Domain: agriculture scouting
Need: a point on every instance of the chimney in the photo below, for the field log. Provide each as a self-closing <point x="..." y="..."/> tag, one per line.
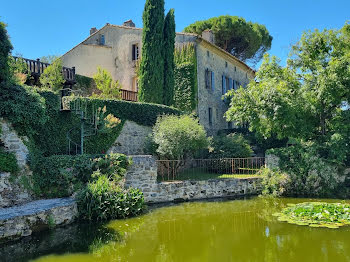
<point x="209" y="36"/>
<point x="129" y="23"/>
<point x="93" y="30"/>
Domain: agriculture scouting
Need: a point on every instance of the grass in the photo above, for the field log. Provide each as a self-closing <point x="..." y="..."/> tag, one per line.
<point x="200" y="174"/>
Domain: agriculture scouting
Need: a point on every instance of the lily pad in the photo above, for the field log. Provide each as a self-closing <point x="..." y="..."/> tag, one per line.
<point x="316" y="214"/>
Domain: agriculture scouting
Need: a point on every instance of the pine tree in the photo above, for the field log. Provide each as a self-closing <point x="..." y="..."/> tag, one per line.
<point x="169" y="65"/>
<point x="151" y="73"/>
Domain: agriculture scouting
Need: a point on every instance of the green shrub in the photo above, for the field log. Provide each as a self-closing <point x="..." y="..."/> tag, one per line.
<point x="52" y="77"/>
<point x="177" y="137"/>
<point x="229" y="146"/>
<point x="103" y="199"/>
<point x="105" y="83"/>
<point x="60" y="176"/>
<point x="310" y="174"/>
<point x="8" y="162"/>
<point x="274" y="182"/>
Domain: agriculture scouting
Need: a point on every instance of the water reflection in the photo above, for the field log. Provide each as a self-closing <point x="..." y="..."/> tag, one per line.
<point x="240" y="230"/>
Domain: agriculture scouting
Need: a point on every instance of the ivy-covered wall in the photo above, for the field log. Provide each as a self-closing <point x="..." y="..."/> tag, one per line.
<point x="185" y="93"/>
<point x="36" y="114"/>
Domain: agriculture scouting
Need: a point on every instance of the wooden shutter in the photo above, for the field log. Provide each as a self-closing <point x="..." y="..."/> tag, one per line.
<point x="212" y="81"/>
<point x="223" y="85"/>
<point x="230" y="84"/>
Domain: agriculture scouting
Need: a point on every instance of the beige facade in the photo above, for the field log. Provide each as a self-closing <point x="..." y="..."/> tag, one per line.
<point x="112" y="48"/>
<point x="116" y="48"/>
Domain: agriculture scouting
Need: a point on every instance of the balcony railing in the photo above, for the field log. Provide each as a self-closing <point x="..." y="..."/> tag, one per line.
<point x="36" y="68"/>
<point x="128" y="95"/>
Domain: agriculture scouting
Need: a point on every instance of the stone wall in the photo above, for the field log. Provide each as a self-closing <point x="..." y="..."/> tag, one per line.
<point x="222" y="64"/>
<point x="21" y="221"/>
<point x="13" y="143"/>
<point x="143" y="175"/>
<point x="131" y="140"/>
<point x="11" y="192"/>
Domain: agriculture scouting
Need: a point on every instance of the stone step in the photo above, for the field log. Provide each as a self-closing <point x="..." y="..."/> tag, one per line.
<point x="20" y="221"/>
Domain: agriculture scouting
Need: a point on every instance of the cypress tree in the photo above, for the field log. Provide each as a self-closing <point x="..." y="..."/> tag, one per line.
<point x="5" y="49"/>
<point x="151" y="73"/>
<point x="169" y="65"/>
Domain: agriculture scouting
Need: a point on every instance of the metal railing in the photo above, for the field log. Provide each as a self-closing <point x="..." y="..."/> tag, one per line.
<point x="200" y="169"/>
<point x="36" y="67"/>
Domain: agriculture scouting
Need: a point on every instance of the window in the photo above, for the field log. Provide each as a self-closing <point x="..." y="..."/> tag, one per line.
<point x="210" y="111"/>
<point x="226" y="84"/>
<point x="235" y="69"/>
<point x="223" y="91"/>
<point x="135" y="52"/>
<point x="209" y="80"/>
<point x="135" y="84"/>
<point x="208" y="54"/>
<point x="226" y="64"/>
<point x="102" y="39"/>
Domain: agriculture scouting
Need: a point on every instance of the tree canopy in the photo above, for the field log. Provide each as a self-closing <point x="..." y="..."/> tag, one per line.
<point x="308" y="98"/>
<point x="247" y="41"/>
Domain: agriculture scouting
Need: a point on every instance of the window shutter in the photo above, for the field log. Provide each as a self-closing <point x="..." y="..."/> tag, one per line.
<point x="223" y="85"/>
<point x="230" y="84"/>
<point x="212" y="81"/>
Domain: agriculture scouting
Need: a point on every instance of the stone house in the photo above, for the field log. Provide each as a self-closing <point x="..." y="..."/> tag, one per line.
<point x="117" y="49"/>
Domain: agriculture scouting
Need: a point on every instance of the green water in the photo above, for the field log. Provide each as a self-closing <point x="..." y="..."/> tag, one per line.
<point x="238" y="230"/>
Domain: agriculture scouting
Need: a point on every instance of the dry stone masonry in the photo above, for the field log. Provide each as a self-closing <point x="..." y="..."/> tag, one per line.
<point x="20" y="221"/>
<point x="11" y="193"/>
<point x="143" y="175"/>
<point x="131" y="140"/>
<point x="13" y="143"/>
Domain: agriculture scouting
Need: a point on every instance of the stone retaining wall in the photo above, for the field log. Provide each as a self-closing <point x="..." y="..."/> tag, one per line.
<point x="143" y="175"/>
<point x="11" y="193"/>
<point x="131" y="140"/>
<point x="21" y="221"/>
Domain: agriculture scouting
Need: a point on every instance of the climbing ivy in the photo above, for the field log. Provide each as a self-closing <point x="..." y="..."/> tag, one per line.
<point x="185" y="93"/>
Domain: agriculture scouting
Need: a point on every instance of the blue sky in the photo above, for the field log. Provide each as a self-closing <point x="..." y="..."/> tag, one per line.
<point x="39" y="27"/>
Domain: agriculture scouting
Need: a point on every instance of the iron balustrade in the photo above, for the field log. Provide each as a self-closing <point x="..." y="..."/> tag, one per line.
<point x="36" y="67"/>
<point x="208" y="168"/>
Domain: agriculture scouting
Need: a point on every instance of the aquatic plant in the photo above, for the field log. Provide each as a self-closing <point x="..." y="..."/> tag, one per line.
<point x="316" y="214"/>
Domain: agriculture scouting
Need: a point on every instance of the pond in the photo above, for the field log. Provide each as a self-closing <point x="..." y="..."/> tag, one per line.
<point x="235" y="230"/>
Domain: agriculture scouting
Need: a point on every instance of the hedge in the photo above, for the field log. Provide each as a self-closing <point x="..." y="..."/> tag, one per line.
<point x="142" y="113"/>
<point x="36" y="114"/>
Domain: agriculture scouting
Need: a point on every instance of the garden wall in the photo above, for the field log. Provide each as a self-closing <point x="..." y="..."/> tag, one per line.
<point x="143" y="175"/>
<point x="11" y="192"/>
<point x="13" y="143"/>
<point x="131" y="140"/>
